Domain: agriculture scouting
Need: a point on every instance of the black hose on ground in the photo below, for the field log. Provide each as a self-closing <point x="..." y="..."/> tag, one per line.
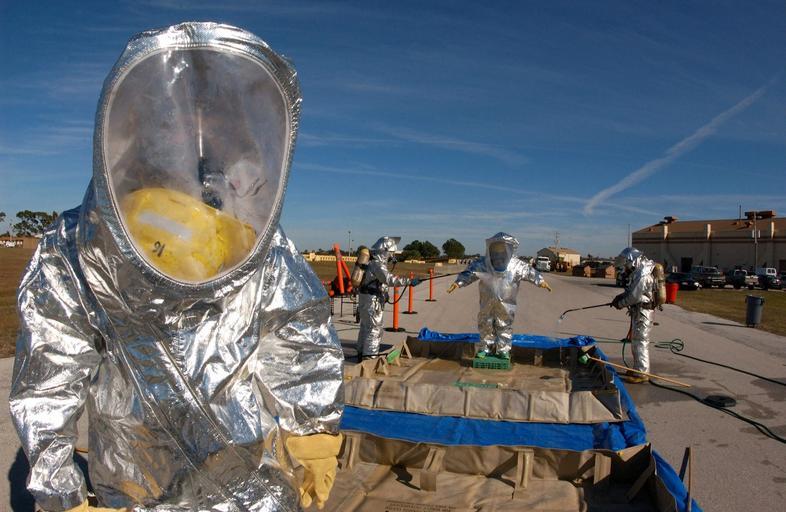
<point x="676" y="346"/>
<point x="764" y="429"/>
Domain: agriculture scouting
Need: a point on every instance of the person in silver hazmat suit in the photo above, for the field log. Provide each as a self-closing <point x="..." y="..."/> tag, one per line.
<point x="373" y="294"/>
<point x="171" y="304"/>
<point x="500" y="272"/>
<point x="639" y="298"/>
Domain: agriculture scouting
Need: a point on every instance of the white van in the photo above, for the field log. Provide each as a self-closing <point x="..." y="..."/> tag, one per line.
<point x="543" y="264"/>
<point x="766" y="271"/>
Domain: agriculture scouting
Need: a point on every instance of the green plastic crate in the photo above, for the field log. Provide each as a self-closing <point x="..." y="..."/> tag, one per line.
<point x="491" y="363"/>
<point x="460" y="384"/>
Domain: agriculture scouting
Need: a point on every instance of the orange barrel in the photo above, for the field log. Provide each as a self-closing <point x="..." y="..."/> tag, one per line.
<point x="395" y="327"/>
<point x="671" y="292"/>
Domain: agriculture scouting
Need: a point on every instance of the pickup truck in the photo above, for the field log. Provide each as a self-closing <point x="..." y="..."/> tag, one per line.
<point x="708" y="277"/>
<point x="543" y="264"/>
<point x="739" y="278"/>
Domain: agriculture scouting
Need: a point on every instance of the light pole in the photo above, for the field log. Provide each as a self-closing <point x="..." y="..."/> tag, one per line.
<point x="757" y="215"/>
<point x="349" y="238"/>
<point x="755" y="242"/>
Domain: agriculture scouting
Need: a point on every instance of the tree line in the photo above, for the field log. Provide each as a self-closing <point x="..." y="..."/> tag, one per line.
<point x="417" y="250"/>
<point x="29" y="223"/>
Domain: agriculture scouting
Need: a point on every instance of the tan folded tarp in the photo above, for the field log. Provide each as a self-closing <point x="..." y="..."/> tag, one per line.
<point x="377" y="474"/>
<point x="541" y="386"/>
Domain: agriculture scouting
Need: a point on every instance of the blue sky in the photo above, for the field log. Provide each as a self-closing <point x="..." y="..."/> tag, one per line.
<point x="433" y="120"/>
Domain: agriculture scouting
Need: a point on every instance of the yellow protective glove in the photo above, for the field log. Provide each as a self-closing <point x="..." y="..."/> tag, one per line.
<point x="84" y="507"/>
<point x="453" y="287"/>
<point x="317" y="453"/>
<point x="545" y="285"/>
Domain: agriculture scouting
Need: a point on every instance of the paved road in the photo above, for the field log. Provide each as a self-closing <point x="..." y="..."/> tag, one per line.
<point x="736" y="468"/>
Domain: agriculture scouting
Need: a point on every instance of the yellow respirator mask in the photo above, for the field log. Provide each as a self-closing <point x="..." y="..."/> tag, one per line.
<point x="183" y="237"/>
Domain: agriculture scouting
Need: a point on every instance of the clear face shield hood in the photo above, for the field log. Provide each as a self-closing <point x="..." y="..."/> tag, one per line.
<point x="628" y="260"/>
<point x="386" y="247"/>
<point x="500" y="249"/>
<point x="197" y="123"/>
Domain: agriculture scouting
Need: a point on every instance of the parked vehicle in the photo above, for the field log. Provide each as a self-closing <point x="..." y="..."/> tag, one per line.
<point x="543" y="264"/>
<point x="708" y="276"/>
<point x="684" y="279"/>
<point x="739" y="278"/>
<point x="769" y="281"/>
<point x="766" y="271"/>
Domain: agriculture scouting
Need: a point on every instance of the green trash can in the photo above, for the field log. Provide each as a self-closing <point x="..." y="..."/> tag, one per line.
<point x="755" y="306"/>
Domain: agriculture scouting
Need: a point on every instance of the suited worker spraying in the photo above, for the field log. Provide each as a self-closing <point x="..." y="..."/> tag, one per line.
<point x="500" y="272"/>
<point x="173" y="306"/>
<point x="373" y="294"/>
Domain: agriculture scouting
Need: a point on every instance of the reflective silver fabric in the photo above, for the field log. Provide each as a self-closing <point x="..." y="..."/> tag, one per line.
<point x="371" y="306"/>
<point x="638" y="295"/>
<point x="641" y="322"/>
<point x="188" y="386"/>
<point x="371" y="309"/>
<point x="498" y="292"/>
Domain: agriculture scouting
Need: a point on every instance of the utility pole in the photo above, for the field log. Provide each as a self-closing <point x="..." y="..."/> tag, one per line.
<point x="755" y="242"/>
<point x="756" y="215"/>
<point x="349" y="239"/>
<point x="630" y="242"/>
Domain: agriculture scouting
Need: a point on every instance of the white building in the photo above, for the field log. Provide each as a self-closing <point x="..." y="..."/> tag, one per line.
<point x="555" y="254"/>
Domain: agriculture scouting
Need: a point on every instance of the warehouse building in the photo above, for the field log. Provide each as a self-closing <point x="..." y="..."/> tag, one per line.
<point x="555" y="254"/>
<point x="757" y="239"/>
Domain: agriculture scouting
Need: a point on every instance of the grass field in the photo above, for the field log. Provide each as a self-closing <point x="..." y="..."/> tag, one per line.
<point x="730" y="304"/>
<point x="12" y="264"/>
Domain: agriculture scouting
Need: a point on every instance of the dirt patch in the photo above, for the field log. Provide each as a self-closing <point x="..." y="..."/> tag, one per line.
<point x="12" y="264"/>
<point x="326" y="270"/>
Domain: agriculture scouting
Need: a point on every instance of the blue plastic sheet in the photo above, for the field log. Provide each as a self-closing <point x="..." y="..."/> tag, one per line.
<point x="519" y="340"/>
<point x="449" y="430"/>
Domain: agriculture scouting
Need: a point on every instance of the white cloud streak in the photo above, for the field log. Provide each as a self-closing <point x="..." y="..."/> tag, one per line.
<point x="675" y="151"/>
<point x="49" y="140"/>
<point x="320" y="140"/>
<point x="560" y="200"/>
<point x="502" y="154"/>
<point x="414" y="177"/>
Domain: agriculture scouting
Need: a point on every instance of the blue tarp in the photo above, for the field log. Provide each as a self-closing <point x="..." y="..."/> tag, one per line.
<point x="519" y="340"/>
<point x="450" y="430"/>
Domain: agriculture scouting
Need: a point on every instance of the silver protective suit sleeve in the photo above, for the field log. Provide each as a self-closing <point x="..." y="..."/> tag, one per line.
<point x="56" y="357"/>
<point x="189" y="386"/>
<point x="638" y="296"/>
<point x="498" y="293"/>
<point x="371" y="306"/>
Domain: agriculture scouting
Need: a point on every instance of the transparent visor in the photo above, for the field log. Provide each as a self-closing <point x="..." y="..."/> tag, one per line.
<point x="499" y="255"/>
<point x="195" y="142"/>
